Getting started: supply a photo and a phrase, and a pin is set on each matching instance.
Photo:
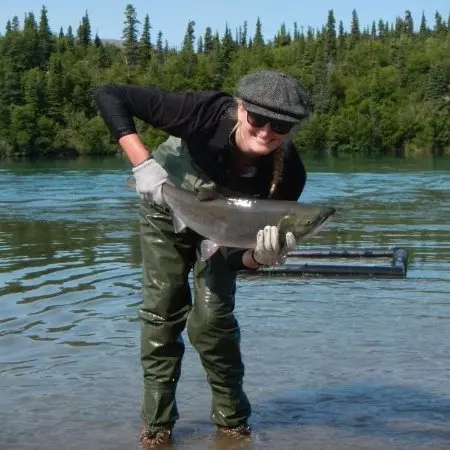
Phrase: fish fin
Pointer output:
(207, 249)
(178, 224)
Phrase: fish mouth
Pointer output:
(319, 227)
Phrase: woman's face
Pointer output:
(255, 140)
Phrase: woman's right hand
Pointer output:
(150, 176)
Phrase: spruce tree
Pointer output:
(282, 38)
(243, 40)
(439, 24)
(31, 42)
(355, 33)
(145, 44)
(408, 23)
(381, 28)
(399, 26)
(97, 41)
(130, 36)
(14, 63)
(200, 45)
(330, 36)
(70, 39)
(296, 33)
(46, 42)
(189, 39)
(228, 44)
(160, 55)
(373, 30)
(258, 39)
(15, 26)
(341, 37)
(188, 56)
(208, 44)
(84, 31)
(423, 30)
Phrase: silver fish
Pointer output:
(234, 222)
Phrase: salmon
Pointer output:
(234, 222)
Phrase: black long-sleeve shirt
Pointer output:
(203, 120)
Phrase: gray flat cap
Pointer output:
(274, 94)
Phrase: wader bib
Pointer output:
(168, 307)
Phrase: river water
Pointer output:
(331, 363)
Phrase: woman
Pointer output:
(240, 146)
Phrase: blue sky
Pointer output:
(171, 17)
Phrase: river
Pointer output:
(331, 363)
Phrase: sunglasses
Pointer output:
(277, 126)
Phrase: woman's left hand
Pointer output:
(268, 251)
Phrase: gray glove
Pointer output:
(268, 251)
(150, 176)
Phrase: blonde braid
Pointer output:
(278, 166)
(234, 130)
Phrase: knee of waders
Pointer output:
(208, 326)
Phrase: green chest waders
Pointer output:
(167, 308)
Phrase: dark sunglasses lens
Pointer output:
(256, 120)
(280, 127)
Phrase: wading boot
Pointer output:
(243, 431)
(154, 439)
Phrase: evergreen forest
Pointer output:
(376, 91)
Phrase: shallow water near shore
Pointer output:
(330, 363)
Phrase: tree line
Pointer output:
(378, 90)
